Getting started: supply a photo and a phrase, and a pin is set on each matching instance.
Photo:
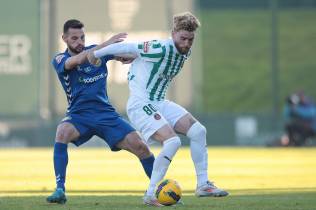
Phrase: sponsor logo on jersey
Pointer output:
(157, 116)
(58, 58)
(88, 80)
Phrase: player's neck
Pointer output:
(71, 52)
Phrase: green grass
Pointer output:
(257, 179)
(237, 58)
(277, 201)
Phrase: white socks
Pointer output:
(197, 135)
(162, 162)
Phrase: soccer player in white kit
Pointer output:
(156, 63)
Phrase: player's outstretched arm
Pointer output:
(76, 60)
(82, 57)
(114, 39)
(113, 49)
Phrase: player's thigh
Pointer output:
(84, 126)
(66, 132)
(164, 133)
(173, 112)
(184, 123)
(134, 144)
(113, 131)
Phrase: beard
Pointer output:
(77, 49)
(182, 50)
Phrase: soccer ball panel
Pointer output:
(168, 192)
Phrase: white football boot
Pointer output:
(209, 190)
(151, 201)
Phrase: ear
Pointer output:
(64, 36)
(173, 33)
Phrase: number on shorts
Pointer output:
(149, 109)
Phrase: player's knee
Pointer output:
(61, 139)
(65, 133)
(197, 131)
(174, 142)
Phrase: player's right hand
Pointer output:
(117, 38)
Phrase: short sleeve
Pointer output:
(151, 51)
(59, 62)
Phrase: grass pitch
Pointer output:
(257, 179)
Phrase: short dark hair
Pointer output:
(72, 23)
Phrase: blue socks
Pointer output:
(148, 164)
(60, 163)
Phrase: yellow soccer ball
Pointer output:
(168, 192)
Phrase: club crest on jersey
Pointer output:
(98, 63)
(157, 116)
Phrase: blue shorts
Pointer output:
(110, 127)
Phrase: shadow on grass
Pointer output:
(254, 200)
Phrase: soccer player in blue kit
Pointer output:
(89, 111)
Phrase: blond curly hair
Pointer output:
(185, 21)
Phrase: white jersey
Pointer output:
(150, 74)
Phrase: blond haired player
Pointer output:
(157, 63)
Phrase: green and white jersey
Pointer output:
(150, 74)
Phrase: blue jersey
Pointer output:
(85, 85)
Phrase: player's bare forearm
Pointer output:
(76, 60)
(87, 54)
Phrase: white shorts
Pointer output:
(149, 116)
